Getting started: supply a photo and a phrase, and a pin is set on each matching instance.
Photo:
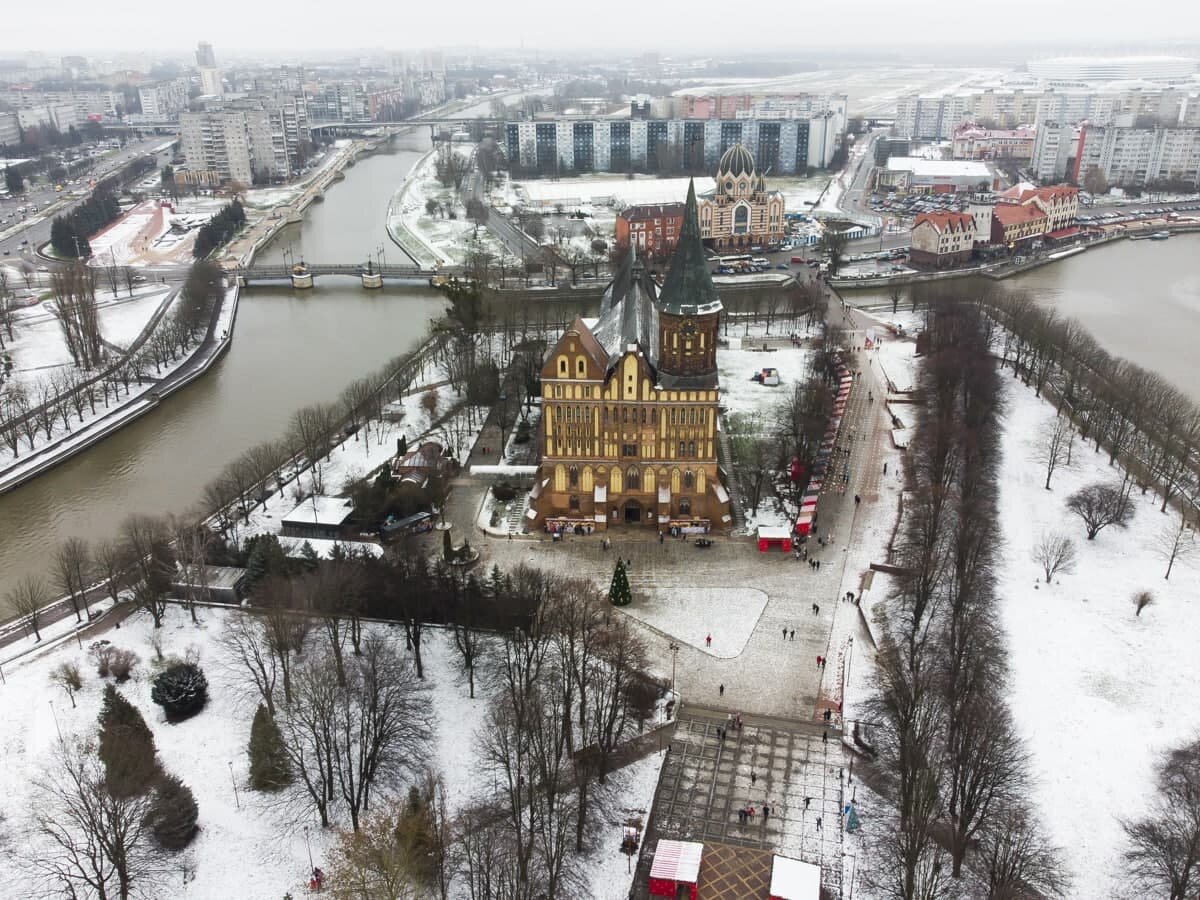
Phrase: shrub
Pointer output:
(121, 663)
(270, 769)
(173, 814)
(126, 746)
(101, 652)
(524, 432)
(181, 690)
(67, 676)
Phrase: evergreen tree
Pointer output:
(402, 446)
(270, 769)
(126, 746)
(447, 546)
(13, 181)
(173, 814)
(181, 690)
(308, 557)
(497, 582)
(619, 593)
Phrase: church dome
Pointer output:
(737, 160)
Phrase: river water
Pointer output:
(290, 349)
(1141, 300)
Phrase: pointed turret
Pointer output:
(688, 288)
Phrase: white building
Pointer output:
(1090, 69)
(1136, 157)
(913, 174)
(211, 84)
(59, 115)
(1053, 147)
(10, 129)
(163, 100)
(246, 141)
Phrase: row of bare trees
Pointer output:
(75, 308)
(947, 747)
(1141, 420)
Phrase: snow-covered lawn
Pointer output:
(1097, 691)
(740, 395)
(249, 847)
(121, 321)
(691, 614)
(607, 190)
(799, 194)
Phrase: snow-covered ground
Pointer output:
(1097, 691)
(799, 194)
(248, 846)
(121, 321)
(607, 190)
(693, 614)
(740, 395)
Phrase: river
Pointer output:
(1141, 300)
(290, 349)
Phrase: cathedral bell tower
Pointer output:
(689, 310)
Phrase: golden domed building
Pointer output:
(740, 213)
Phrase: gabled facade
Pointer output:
(1016, 223)
(1059, 202)
(652, 229)
(942, 240)
(630, 405)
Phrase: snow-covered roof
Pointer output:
(934, 168)
(677, 861)
(794, 880)
(504, 470)
(320, 510)
(773, 532)
(324, 548)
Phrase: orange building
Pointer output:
(629, 404)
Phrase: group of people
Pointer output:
(746, 813)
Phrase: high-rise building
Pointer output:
(163, 100)
(1137, 157)
(248, 140)
(211, 84)
(205, 58)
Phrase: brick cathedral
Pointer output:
(629, 404)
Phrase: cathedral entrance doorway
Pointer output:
(633, 512)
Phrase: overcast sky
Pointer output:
(552, 26)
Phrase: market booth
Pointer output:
(794, 880)
(774, 536)
(676, 863)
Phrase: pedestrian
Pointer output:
(824, 737)
(828, 714)
(753, 777)
(818, 661)
(739, 724)
(857, 499)
(766, 813)
(660, 537)
(818, 823)
(721, 689)
(708, 641)
(793, 634)
(785, 634)
(817, 608)
(818, 565)
(807, 800)
(824, 659)
(885, 468)
(742, 815)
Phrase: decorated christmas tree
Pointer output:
(618, 592)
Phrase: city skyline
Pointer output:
(544, 27)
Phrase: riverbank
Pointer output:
(215, 343)
(1007, 268)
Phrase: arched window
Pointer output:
(700, 482)
(691, 448)
(689, 480)
(648, 481)
(653, 416)
(587, 479)
(560, 478)
(625, 414)
(606, 415)
(562, 366)
(633, 478)
(573, 476)
(741, 219)
(685, 506)
(643, 415)
(674, 481)
(580, 367)
(614, 481)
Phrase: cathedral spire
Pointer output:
(688, 285)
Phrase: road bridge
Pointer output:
(371, 274)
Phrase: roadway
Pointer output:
(22, 242)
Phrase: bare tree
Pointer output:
(1054, 451)
(1142, 599)
(1164, 847)
(101, 843)
(1018, 861)
(28, 597)
(147, 547)
(308, 727)
(1054, 552)
(1100, 505)
(66, 675)
(111, 566)
(247, 642)
(1176, 544)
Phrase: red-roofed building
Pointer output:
(942, 240)
(1015, 223)
(1060, 202)
(652, 228)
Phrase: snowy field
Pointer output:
(610, 190)
(741, 395)
(1097, 691)
(692, 614)
(799, 194)
(249, 847)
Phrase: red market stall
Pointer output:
(794, 880)
(774, 536)
(675, 863)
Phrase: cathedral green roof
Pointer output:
(688, 289)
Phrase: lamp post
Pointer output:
(674, 648)
(236, 799)
(309, 846)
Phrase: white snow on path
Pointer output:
(692, 614)
(1097, 692)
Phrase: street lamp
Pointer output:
(674, 648)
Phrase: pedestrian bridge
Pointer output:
(371, 274)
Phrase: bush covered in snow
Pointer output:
(181, 690)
